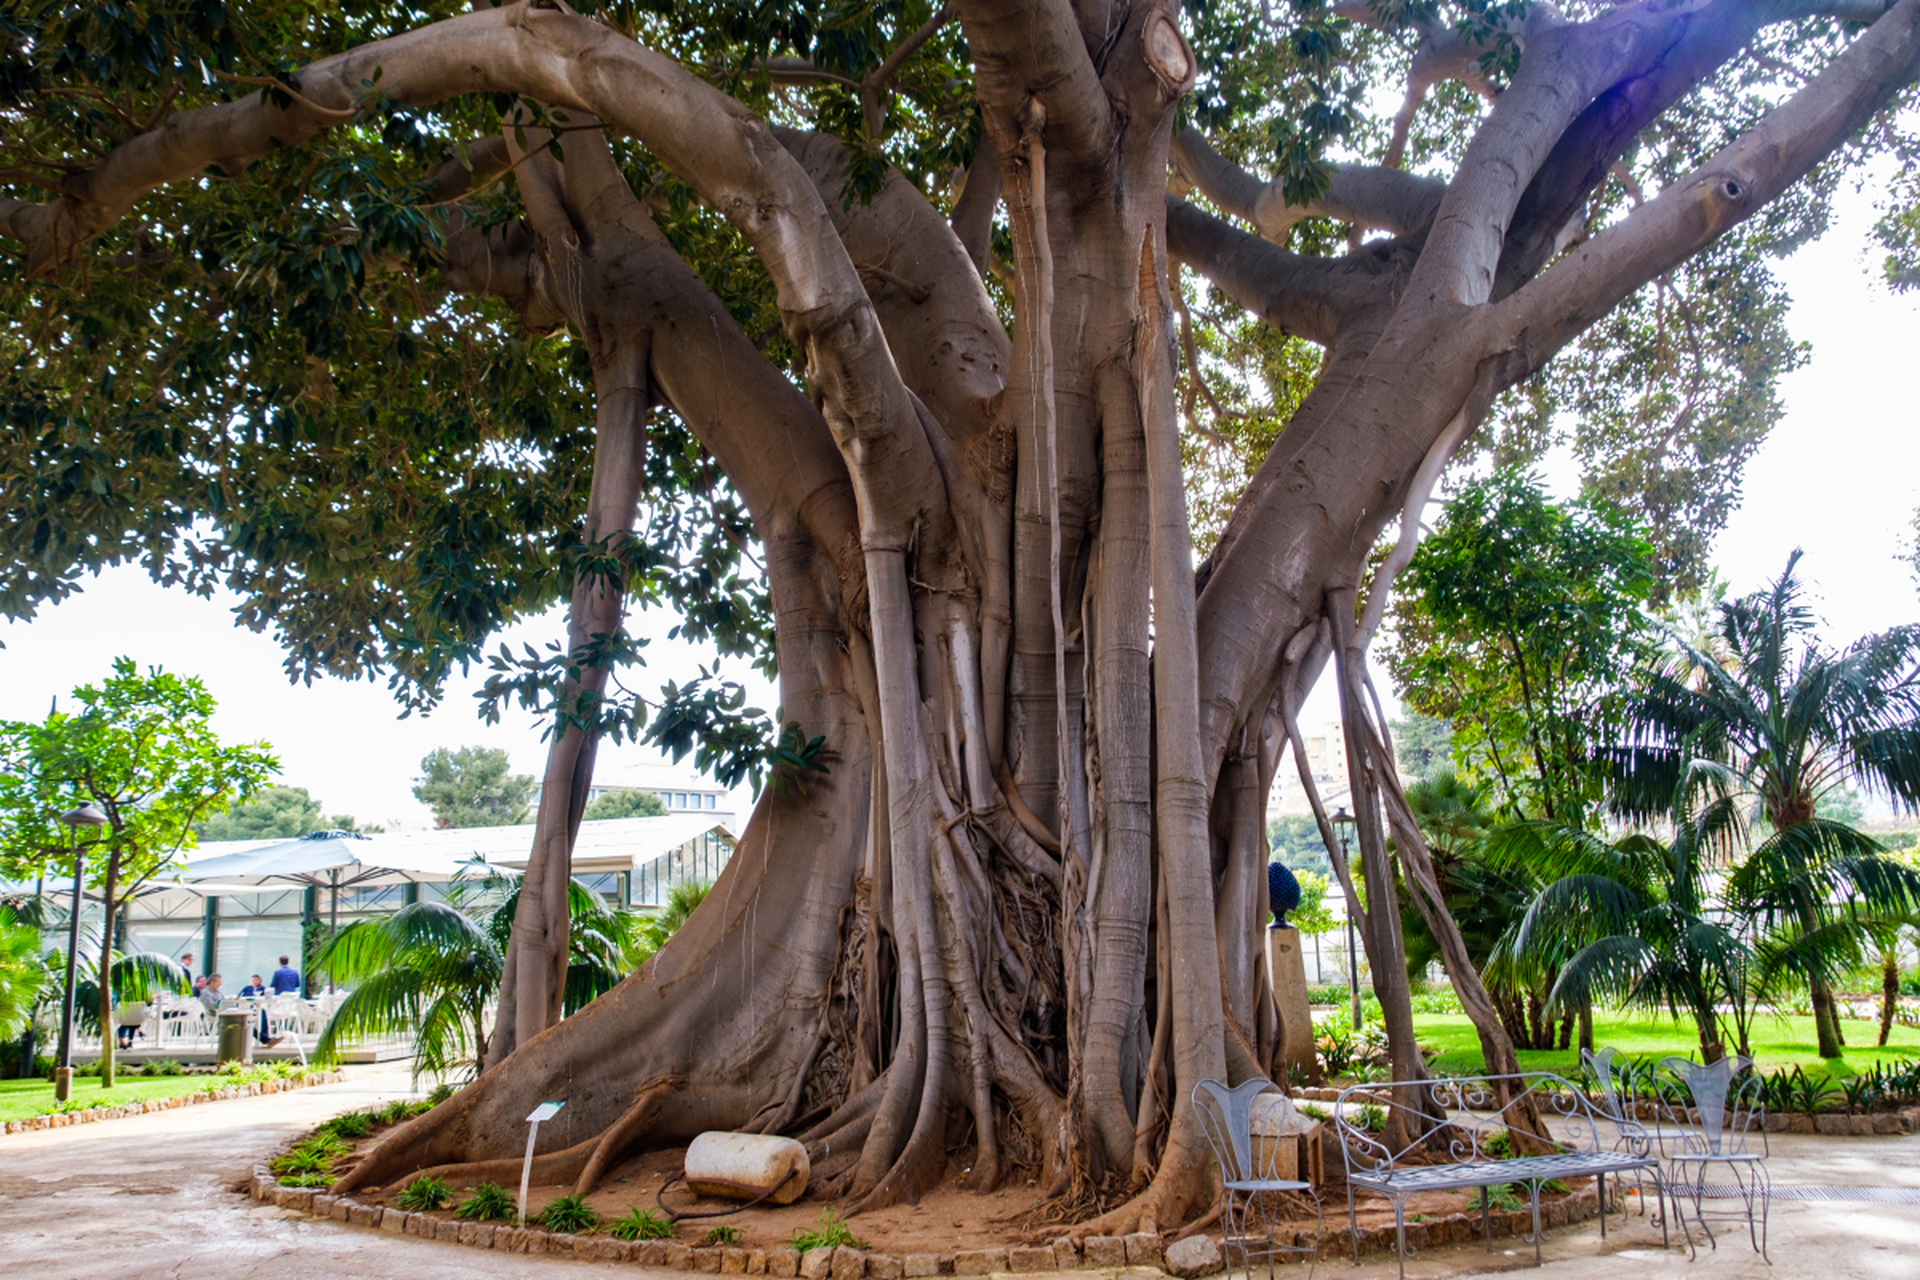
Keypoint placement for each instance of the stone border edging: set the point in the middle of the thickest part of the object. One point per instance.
(1196, 1255)
(92, 1114)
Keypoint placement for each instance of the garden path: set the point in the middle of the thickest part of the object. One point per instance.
(151, 1196)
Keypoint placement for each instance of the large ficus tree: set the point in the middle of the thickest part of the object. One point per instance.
(403, 324)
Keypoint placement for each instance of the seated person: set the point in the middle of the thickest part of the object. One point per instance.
(210, 993)
(128, 1017)
(259, 988)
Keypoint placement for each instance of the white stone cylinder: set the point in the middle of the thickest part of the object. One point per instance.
(741, 1166)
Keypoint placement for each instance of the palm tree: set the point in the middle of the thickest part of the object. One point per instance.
(432, 970)
(1632, 920)
(1745, 740)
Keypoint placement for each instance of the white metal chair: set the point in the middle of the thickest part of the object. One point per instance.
(1254, 1224)
(1729, 1109)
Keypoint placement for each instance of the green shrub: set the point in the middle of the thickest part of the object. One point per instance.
(424, 1193)
(830, 1232)
(723, 1235)
(639, 1224)
(394, 1112)
(488, 1202)
(319, 1181)
(440, 1094)
(568, 1213)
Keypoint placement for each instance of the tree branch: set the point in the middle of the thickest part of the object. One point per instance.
(1312, 297)
(1546, 314)
(1390, 199)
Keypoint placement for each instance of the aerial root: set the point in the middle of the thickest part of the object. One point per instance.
(624, 1132)
(554, 1167)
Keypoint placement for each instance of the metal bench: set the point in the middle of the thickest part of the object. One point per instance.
(1406, 1137)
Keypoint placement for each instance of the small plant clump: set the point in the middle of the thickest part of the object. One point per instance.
(165, 1067)
(488, 1202)
(424, 1193)
(1501, 1195)
(352, 1125)
(314, 1153)
(724, 1235)
(440, 1094)
(644, 1224)
(570, 1214)
(319, 1181)
(829, 1233)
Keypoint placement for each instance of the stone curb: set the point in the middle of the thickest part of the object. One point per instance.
(33, 1124)
(1140, 1252)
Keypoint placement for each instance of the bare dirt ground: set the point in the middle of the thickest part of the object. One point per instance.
(151, 1196)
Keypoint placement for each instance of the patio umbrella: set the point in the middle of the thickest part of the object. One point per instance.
(333, 860)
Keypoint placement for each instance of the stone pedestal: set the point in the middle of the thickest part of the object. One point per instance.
(1287, 965)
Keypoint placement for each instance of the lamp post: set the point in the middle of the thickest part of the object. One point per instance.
(1343, 820)
(87, 815)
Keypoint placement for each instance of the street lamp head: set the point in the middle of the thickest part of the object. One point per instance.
(87, 815)
(1341, 818)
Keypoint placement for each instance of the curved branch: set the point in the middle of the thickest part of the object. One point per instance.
(1386, 198)
(1313, 297)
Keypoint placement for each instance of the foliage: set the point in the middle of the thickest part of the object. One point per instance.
(1517, 622)
(829, 1233)
(316, 1181)
(625, 804)
(1294, 839)
(1342, 1048)
(488, 1202)
(1422, 745)
(431, 970)
(273, 813)
(656, 928)
(568, 1213)
(641, 1224)
(142, 748)
(24, 973)
(1742, 743)
(1313, 916)
(424, 1193)
(723, 1235)
(471, 787)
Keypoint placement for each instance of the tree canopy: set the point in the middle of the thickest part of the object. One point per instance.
(472, 787)
(1519, 622)
(273, 813)
(626, 803)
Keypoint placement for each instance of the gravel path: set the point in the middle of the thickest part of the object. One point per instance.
(153, 1196)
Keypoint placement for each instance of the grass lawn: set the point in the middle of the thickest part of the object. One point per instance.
(20, 1099)
(1778, 1043)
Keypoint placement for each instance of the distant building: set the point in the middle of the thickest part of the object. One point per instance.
(681, 790)
(1326, 760)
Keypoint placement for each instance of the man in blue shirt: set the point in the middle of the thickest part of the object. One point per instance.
(286, 978)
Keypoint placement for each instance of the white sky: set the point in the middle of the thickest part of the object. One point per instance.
(1838, 478)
